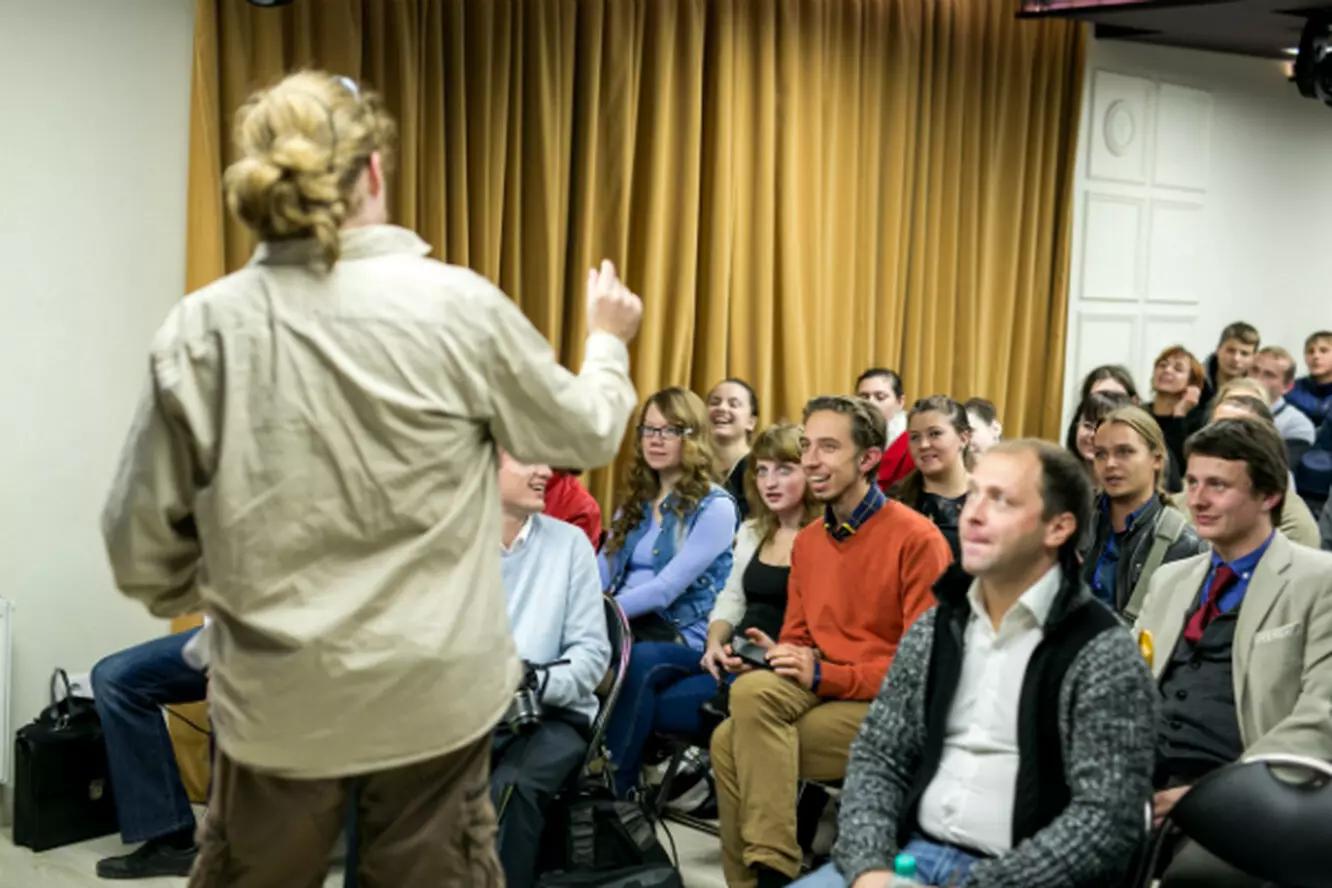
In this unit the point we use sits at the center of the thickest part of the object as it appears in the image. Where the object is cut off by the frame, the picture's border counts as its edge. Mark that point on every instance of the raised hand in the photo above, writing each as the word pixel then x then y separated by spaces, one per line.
pixel 611 307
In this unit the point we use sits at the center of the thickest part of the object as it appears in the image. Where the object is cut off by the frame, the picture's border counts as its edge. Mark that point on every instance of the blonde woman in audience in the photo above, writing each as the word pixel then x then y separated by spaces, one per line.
pixel 986 430
pixel 1177 384
pixel 733 413
pixel 319 437
pixel 939 434
pixel 668 555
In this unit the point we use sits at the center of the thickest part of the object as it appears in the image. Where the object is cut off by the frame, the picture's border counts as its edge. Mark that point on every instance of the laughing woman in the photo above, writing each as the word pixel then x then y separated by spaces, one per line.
pixel 666 685
pixel 733 413
pixel 939 434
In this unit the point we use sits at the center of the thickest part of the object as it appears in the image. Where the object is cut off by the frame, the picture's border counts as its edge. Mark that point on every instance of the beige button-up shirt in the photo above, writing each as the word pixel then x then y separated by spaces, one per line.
pixel 314 464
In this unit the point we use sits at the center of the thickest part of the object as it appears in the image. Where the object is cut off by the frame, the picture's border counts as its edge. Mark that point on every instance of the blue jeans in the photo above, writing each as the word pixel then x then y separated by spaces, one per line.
pixel 935 865
pixel 129 689
pixel 663 690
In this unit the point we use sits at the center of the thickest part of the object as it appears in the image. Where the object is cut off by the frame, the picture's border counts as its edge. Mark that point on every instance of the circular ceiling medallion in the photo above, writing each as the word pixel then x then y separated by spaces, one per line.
pixel 1120 128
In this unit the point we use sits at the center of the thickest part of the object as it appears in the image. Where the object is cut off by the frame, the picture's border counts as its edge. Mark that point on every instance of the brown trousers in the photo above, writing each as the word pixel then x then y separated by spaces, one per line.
pixel 778 734
pixel 428 824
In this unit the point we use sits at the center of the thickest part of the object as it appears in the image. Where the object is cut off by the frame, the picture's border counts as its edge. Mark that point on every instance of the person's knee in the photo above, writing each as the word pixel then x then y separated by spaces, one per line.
pixel 757 695
pixel 112 675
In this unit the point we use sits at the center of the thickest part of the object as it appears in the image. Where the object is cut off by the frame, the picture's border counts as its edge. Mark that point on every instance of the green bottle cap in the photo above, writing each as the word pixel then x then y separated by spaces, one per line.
pixel 905 866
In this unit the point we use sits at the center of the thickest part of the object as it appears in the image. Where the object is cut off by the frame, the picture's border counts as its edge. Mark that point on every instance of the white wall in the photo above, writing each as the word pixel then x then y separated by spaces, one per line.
pixel 1203 184
pixel 94 112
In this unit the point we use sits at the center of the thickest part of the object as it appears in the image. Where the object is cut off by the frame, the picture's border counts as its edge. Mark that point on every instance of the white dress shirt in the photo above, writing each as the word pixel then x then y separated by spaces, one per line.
pixel 970 800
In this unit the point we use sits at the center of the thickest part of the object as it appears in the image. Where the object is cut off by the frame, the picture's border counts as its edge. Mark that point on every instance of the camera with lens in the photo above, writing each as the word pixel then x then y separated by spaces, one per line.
pixel 524 712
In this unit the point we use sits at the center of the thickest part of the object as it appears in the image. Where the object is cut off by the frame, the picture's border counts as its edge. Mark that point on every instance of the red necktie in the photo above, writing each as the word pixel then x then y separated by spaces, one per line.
pixel 1222 580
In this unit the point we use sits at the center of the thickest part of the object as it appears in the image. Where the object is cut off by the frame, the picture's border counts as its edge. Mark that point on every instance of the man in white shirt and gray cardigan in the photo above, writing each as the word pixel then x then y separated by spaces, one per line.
pixel 1011 745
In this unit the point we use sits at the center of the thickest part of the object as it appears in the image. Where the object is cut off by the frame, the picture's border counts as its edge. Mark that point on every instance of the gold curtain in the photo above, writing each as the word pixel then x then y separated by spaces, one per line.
pixel 797 188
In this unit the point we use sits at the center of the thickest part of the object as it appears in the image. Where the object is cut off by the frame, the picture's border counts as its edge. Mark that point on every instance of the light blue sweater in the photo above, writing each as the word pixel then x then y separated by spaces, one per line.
pixel 555 610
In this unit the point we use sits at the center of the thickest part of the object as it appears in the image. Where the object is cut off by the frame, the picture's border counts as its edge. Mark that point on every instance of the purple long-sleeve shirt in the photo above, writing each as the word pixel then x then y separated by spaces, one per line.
pixel 645 591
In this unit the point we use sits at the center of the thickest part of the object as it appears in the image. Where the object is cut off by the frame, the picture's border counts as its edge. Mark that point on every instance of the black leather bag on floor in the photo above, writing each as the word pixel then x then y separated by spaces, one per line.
pixel 603 842
pixel 62 786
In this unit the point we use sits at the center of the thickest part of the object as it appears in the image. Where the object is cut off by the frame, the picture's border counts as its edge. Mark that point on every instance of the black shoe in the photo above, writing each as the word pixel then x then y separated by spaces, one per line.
pixel 153 858
pixel 770 878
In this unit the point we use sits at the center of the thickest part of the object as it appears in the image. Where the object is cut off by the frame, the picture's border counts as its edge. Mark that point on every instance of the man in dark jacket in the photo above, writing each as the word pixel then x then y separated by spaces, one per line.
pixel 1011 745
pixel 1134 530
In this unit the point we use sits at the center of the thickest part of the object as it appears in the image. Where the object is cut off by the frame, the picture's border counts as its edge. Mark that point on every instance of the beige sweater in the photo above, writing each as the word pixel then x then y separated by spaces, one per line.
pixel 314 464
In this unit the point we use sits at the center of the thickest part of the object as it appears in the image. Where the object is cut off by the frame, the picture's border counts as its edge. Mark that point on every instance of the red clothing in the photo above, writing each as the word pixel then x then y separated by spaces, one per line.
pixel 853 600
pixel 569 501
pixel 897 462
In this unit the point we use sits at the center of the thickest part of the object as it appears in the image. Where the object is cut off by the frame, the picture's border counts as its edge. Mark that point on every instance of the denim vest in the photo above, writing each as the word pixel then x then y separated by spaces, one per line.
pixel 695 603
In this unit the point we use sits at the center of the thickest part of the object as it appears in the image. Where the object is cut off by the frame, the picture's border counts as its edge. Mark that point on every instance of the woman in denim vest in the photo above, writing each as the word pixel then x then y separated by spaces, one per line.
pixel 668 555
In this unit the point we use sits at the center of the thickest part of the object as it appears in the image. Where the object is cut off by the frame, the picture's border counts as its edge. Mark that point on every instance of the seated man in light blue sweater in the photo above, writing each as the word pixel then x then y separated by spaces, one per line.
pixel 554 597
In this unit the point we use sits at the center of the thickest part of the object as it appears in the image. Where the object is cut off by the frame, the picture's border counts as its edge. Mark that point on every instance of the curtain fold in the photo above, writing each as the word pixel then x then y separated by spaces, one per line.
pixel 797 188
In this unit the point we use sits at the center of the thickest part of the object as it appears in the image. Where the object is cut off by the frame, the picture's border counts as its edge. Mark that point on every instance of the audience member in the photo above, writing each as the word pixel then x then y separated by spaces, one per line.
pixel 1241 637
pixel 1295 520
pixel 129 690
pixel 857 582
pixel 669 549
pixel 1087 418
pixel 939 433
pixel 667 683
pixel 568 501
pixel 883 389
pixel 1312 394
pixel 1274 369
pixel 733 414
pixel 321 425
pixel 1135 530
pixel 555 609
pixel 1244 386
pixel 986 430
pixel 1232 359
pixel 1107 379
pixel 1176 405
pixel 1012 742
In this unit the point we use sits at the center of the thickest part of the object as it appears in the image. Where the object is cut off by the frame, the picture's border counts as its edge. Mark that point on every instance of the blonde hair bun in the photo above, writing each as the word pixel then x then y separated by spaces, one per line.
pixel 304 144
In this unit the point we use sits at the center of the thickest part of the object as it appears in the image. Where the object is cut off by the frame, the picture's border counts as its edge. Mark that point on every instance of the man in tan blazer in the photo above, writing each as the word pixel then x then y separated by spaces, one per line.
pixel 1240 637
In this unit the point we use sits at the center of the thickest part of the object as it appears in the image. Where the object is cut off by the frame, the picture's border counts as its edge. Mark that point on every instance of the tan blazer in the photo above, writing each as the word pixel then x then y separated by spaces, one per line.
pixel 1283 644
pixel 1297 522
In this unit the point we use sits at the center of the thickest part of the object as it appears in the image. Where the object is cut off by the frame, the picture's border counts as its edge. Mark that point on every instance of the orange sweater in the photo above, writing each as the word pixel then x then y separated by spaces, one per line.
pixel 853 600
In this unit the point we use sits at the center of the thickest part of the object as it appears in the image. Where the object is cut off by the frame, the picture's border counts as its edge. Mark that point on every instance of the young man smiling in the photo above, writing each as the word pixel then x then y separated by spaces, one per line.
pixel 1135 531
pixel 1241 636
pixel 857 582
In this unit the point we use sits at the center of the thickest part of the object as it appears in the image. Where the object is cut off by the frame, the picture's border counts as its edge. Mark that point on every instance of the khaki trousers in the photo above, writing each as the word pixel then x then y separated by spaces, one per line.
pixel 429 824
pixel 778 734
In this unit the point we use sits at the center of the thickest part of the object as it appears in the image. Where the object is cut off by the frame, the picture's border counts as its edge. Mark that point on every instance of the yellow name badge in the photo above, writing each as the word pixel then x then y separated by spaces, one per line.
pixel 1147 645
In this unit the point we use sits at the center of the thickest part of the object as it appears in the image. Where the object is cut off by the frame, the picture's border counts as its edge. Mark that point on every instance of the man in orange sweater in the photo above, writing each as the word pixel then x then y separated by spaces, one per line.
pixel 857 582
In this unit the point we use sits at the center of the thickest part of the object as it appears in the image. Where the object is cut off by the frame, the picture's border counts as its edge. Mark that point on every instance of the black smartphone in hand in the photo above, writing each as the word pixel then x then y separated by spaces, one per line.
pixel 749 653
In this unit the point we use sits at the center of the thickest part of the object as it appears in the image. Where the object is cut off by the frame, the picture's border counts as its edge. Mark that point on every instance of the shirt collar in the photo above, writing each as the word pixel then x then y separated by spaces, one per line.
pixel 1037 601
pixel 523 533
pixel 1244 565
pixel 357 243
pixel 872 503
pixel 1133 516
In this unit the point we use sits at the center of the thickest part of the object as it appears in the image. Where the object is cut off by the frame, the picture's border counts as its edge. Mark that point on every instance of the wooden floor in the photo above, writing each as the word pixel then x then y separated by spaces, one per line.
pixel 74 866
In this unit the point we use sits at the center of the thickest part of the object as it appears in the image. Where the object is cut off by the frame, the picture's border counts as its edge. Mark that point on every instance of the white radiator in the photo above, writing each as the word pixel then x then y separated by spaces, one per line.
pixel 6 687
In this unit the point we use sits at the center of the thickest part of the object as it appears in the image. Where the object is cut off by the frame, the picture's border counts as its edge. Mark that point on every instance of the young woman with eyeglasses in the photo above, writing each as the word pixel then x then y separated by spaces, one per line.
pixel 669 549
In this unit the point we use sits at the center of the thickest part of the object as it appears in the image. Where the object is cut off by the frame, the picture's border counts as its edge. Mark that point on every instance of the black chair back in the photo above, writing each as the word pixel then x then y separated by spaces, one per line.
pixel 621 641
pixel 1269 816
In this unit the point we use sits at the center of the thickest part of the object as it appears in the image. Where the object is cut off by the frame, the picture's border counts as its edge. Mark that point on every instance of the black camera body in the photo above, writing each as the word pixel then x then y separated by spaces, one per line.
pixel 524 712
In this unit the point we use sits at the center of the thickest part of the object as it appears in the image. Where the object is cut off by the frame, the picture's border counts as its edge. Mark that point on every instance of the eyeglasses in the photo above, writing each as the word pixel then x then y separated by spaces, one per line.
pixel 672 433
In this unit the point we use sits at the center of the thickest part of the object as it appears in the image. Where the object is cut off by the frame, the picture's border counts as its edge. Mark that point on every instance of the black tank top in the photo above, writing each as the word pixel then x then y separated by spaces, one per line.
pixel 765 597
